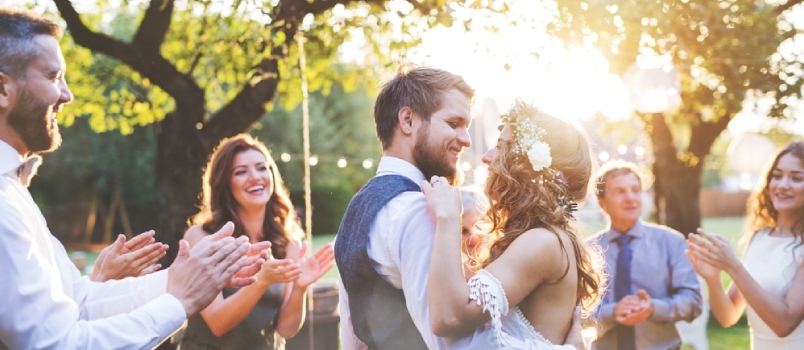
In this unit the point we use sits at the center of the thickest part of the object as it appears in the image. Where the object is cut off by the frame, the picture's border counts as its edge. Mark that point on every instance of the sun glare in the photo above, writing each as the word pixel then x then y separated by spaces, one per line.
pixel 524 62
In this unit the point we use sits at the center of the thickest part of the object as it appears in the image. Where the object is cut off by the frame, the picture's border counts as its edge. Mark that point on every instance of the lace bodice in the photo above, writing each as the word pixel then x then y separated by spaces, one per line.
pixel 508 328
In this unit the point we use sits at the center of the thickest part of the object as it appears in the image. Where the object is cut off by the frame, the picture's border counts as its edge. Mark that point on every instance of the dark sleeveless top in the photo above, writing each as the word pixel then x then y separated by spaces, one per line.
pixel 256 331
pixel 378 310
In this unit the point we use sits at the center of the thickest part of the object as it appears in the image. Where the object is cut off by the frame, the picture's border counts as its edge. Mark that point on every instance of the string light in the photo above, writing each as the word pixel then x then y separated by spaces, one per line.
pixel 341 162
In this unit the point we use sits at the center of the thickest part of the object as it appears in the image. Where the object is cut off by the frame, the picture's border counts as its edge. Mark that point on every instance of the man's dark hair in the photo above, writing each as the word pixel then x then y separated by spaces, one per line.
pixel 419 88
pixel 612 169
pixel 18 28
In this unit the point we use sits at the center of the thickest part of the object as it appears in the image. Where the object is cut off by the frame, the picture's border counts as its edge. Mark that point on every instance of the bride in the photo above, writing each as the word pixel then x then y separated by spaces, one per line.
pixel 537 269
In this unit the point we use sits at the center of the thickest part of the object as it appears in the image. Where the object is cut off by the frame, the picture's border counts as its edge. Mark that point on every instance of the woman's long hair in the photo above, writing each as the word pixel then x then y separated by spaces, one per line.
pixel 218 205
pixel 761 213
pixel 520 202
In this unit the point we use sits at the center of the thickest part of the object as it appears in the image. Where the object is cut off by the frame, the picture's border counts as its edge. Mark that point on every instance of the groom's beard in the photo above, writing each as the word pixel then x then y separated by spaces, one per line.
pixel 431 159
pixel 457 178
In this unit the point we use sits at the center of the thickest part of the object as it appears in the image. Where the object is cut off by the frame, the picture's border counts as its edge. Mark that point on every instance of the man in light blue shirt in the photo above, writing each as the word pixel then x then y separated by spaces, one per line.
pixel 652 283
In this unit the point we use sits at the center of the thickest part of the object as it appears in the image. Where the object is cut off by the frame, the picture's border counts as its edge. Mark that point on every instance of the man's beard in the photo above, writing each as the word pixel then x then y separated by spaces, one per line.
pixel 30 121
pixel 432 161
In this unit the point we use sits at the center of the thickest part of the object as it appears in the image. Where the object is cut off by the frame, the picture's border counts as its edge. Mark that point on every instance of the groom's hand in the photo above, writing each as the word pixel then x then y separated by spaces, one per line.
pixel 574 337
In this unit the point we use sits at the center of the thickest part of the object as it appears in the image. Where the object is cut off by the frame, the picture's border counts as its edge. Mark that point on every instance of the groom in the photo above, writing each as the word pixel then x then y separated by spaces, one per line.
pixel 385 239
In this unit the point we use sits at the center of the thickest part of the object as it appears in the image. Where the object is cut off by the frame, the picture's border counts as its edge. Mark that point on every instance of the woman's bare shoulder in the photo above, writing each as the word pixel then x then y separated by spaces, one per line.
pixel 540 247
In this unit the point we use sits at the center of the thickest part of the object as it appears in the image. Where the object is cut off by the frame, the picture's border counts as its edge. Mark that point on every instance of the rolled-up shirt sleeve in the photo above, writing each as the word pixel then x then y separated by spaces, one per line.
pixel 37 313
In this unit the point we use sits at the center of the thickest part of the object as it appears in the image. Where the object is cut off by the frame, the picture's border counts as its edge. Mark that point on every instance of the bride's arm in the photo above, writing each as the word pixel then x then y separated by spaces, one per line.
pixel 533 257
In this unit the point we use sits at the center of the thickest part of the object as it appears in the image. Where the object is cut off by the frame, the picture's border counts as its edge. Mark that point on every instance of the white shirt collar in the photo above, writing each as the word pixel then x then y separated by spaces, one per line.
pixel 392 165
pixel 10 159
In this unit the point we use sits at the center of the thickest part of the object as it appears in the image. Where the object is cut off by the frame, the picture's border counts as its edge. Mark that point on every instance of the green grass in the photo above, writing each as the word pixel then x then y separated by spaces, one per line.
pixel 733 338
pixel 319 241
pixel 731 229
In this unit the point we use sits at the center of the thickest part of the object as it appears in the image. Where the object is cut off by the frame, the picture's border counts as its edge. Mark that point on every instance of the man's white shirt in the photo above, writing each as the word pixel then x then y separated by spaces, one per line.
pixel 47 304
pixel 400 243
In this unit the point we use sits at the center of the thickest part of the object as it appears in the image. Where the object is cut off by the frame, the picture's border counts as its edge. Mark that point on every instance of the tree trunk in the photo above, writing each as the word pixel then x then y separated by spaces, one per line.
pixel 180 159
pixel 676 189
pixel 677 184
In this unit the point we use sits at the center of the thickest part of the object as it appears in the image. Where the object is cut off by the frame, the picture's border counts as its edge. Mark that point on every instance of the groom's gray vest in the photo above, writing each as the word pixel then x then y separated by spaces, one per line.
pixel 379 315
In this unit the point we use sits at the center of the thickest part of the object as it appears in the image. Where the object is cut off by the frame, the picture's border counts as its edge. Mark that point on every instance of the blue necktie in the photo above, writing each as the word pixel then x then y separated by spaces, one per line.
pixel 622 287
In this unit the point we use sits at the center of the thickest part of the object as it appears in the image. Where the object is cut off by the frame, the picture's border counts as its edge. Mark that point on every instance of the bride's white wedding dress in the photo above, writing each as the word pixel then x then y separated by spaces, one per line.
pixel 508 328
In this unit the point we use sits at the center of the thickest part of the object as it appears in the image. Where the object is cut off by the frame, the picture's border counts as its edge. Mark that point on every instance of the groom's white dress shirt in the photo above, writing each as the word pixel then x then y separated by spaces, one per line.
pixel 400 242
pixel 44 301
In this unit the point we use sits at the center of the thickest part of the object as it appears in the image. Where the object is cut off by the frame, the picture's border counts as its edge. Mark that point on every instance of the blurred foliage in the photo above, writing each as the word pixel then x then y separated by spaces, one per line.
pixel 329 204
pixel 341 126
pixel 727 51
pixel 220 45
pixel 112 96
pixel 89 167
pixel 203 70
pixel 731 55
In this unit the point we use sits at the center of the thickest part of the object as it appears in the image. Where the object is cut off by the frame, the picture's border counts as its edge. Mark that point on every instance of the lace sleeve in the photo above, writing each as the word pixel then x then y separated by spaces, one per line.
pixel 487 291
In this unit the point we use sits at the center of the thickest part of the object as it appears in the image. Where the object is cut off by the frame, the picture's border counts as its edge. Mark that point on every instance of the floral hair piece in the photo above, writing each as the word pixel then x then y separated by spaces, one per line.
pixel 529 141
pixel 529 137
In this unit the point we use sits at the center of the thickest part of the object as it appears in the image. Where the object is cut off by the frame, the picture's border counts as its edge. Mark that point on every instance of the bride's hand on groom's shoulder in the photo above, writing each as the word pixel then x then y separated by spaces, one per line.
pixel 443 200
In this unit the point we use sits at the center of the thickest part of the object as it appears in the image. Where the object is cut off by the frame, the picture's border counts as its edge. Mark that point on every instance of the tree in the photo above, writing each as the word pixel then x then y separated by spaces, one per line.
pixel 727 53
pixel 205 70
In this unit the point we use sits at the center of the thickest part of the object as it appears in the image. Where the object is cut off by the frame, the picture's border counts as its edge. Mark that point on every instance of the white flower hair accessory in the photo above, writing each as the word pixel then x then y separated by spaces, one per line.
pixel 529 141
pixel 528 137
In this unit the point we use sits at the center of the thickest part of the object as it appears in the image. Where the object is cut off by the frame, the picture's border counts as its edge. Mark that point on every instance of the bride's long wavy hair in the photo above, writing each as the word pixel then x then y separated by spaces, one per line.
pixel 218 205
pixel 519 202
pixel 761 213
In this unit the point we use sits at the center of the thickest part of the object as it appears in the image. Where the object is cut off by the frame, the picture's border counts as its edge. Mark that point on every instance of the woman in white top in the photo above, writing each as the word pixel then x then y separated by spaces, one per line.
pixel 527 284
pixel 770 280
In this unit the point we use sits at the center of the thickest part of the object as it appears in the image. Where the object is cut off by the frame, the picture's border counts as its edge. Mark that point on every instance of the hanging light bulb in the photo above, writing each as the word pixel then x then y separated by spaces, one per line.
pixel 285 157
pixel 342 162
pixel 313 160
pixel 368 163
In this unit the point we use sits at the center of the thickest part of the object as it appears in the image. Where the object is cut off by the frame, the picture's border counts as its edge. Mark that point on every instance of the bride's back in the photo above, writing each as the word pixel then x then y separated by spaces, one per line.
pixel 549 307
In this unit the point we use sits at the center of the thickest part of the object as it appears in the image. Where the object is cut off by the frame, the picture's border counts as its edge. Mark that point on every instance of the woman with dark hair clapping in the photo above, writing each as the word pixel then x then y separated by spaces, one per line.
pixel 243 185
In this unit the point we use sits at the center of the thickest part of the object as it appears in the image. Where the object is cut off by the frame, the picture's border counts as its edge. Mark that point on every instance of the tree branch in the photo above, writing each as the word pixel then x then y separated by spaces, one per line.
pixel 149 64
pixel 248 105
pixel 786 6
pixel 85 37
pixel 154 26
pixel 704 134
pixel 420 6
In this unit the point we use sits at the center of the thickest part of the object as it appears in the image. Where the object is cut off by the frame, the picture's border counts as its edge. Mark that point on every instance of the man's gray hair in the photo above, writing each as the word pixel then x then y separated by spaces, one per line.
pixel 472 197
pixel 18 28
